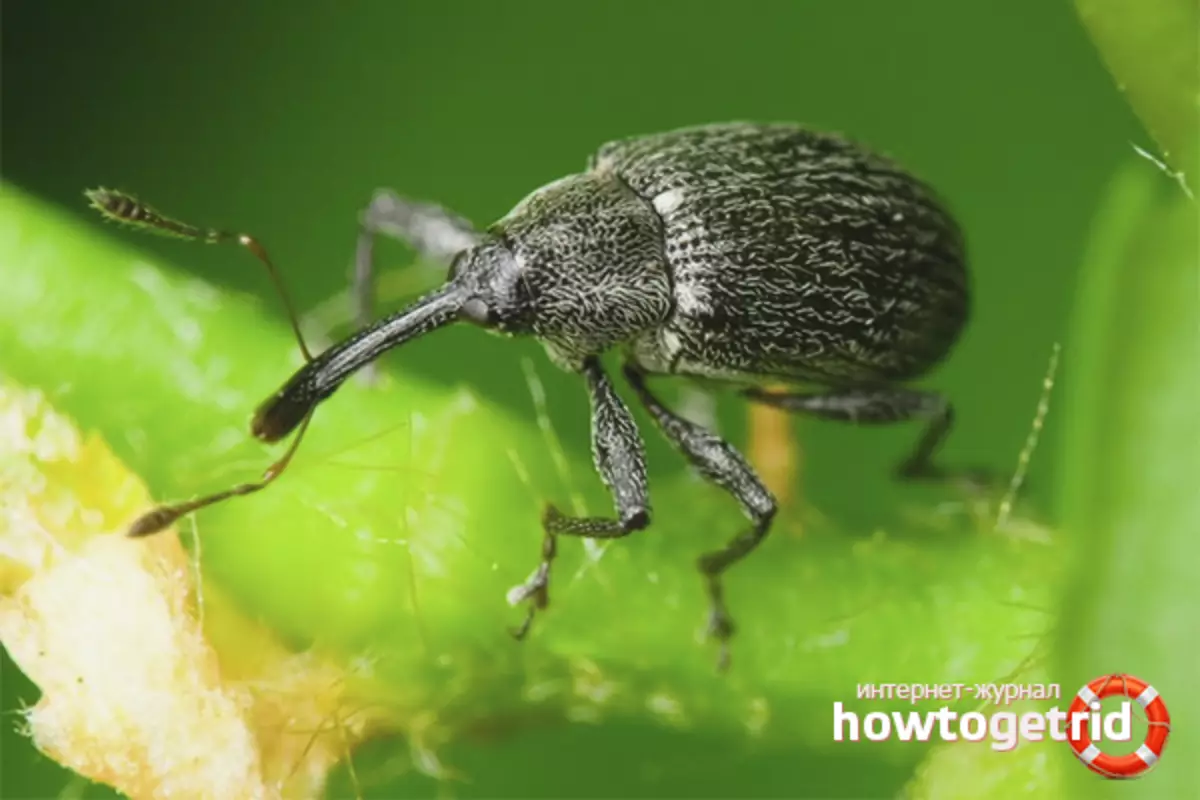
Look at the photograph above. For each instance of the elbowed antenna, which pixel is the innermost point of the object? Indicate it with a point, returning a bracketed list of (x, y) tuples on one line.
[(128, 210), (292, 406), (319, 378)]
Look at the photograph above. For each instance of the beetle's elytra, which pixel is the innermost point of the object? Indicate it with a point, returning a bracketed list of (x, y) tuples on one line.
[(742, 253)]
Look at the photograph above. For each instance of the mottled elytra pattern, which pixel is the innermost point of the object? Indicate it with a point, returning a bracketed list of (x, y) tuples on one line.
[(796, 255), (749, 254)]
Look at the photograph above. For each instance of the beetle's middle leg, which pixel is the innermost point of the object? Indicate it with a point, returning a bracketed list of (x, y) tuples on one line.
[(620, 459), (719, 462), (436, 233), (883, 406)]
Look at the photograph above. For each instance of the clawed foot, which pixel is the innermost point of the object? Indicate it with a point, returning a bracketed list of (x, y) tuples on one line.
[(720, 624), (974, 481), (536, 590), (721, 628)]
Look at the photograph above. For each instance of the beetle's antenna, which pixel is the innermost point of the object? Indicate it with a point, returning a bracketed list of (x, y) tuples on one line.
[(162, 517), (128, 210)]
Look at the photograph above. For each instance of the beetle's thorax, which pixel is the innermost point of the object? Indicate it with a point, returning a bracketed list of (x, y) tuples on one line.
[(589, 266)]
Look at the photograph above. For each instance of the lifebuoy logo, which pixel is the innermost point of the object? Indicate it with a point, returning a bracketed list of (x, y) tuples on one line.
[(1087, 705), (1082, 725)]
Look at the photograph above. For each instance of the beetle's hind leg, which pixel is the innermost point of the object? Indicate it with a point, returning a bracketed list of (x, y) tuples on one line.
[(881, 406), (720, 463), (436, 233), (620, 459)]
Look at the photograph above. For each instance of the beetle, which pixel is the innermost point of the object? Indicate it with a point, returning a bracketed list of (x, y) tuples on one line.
[(749, 254)]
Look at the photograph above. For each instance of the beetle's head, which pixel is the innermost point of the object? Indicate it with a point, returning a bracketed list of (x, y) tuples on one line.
[(495, 296)]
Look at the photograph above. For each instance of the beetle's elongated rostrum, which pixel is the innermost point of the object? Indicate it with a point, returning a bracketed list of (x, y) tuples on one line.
[(744, 253)]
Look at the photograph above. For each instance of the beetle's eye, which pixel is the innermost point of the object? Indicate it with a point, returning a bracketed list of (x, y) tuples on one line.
[(477, 311), (455, 264)]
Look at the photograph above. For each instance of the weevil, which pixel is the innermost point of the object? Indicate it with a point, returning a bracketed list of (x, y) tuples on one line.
[(748, 254)]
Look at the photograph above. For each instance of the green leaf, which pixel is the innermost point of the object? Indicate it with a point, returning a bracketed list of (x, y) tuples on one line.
[(413, 506), (1130, 498)]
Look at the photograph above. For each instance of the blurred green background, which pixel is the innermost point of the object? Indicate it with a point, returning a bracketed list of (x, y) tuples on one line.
[(282, 119)]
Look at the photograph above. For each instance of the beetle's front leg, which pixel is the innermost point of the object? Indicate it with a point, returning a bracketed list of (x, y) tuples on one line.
[(719, 462), (621, 461)]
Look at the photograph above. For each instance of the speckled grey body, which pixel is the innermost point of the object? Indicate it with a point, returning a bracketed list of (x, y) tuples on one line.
[(793, 255), (744, 252)]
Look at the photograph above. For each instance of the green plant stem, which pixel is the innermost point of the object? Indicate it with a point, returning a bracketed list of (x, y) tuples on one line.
[(1132, 461)]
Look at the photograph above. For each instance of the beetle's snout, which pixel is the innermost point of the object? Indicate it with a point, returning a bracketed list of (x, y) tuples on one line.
[(279, 416)]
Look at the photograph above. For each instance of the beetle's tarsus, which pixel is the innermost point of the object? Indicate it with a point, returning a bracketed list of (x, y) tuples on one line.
[(620, 459), (722, 464), (720, 625), (536, 590), (521, 631), (724, 656)]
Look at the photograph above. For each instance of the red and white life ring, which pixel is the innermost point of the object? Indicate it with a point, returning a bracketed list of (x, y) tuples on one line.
[(1132, 764)]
